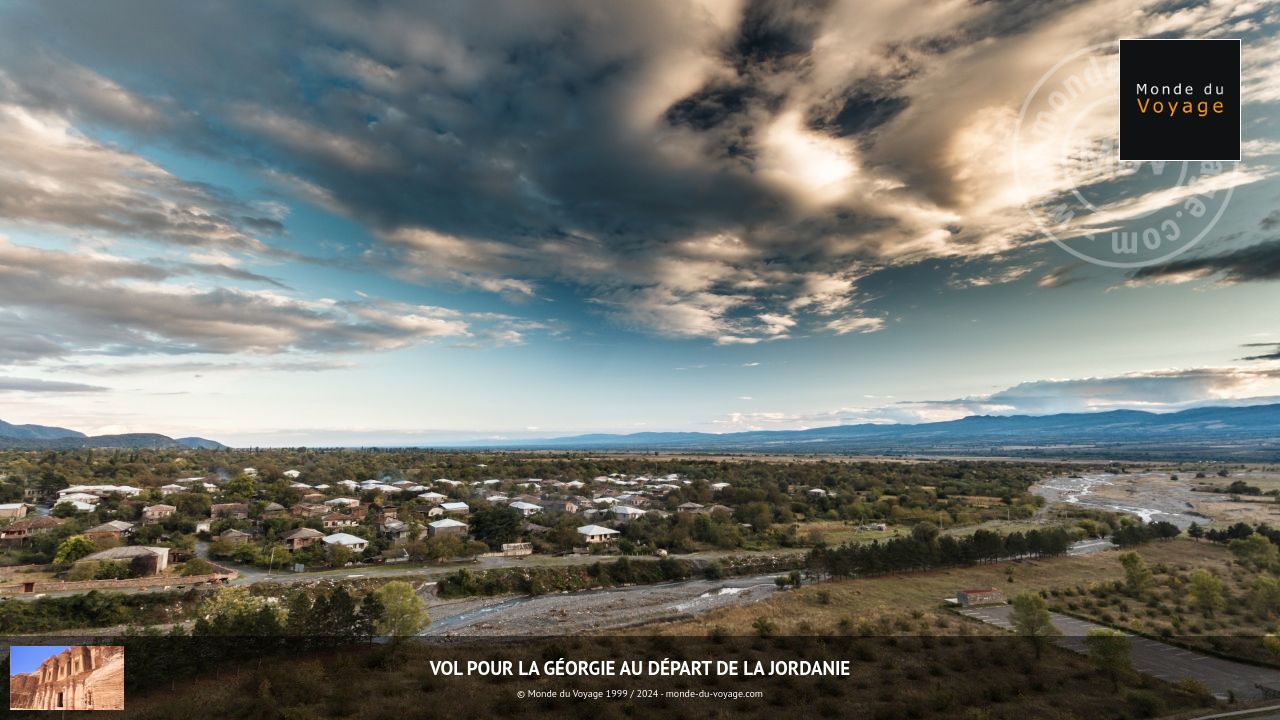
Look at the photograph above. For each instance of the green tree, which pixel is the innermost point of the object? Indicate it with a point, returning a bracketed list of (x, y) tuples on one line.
[(1255, 552), (1264, 599), (1031, 619), (403, 612), (1137, 576), (1206, 591), (1109, 653), (72, 549)]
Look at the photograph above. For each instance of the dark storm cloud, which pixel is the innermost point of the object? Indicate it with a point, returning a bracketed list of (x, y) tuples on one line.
[(1248, 264), (32, 385)]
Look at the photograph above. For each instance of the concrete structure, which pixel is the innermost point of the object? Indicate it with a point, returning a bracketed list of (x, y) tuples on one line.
[(229, 510), (152, 513), (980, 596), (20, 530), (78, 678), (116, 530), (526, 508), (147, 560), (234, 537), (13, 511), (357, 544), (302, 538), (447, 526), (594, 534)]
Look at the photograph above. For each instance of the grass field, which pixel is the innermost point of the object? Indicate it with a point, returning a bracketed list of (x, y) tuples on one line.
[(915, 600)]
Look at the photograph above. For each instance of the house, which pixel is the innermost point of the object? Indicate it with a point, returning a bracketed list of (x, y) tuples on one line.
[(596, 534), (447, 526), (171, 488), (229, 510), (817, 492), (147, 560), (308, 510), (433, 497), (274, 510), (234, 537), (561, 506), (301, 538), (292, 474), (689, 507), (20, 530), (980, 596), (82, 498), (455, 508), (100, 490), (626, 513), (114, 530), (13, 510), (525, 508), (342, 502), (337, 520), (356, 544), (152, 513), (717, 487), (394, 530)]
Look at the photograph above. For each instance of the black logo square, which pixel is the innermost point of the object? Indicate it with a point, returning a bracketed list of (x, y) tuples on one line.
[(1179, 99)]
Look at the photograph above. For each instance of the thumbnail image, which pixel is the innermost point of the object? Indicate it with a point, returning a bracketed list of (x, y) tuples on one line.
[(66, 677)]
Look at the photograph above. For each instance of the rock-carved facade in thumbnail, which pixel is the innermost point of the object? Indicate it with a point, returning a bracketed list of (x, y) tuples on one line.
[(89, 677)]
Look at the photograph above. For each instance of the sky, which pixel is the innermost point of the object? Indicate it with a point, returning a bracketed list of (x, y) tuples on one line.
[(326, 222), (26, 658)]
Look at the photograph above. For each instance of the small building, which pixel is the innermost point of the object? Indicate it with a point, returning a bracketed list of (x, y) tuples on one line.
[(13, 511), (116, 530), (525, 508), (146, 560), (152, 513), (232, 536), (308, 510), (229, 510), (302, 538), (455, 508), (274, 510), (20, 530), (561, 506), (596, 534), (337, 520), (689, 507), (447, 526), (626, 513), (980, 596), (171, 488), (356, 544)]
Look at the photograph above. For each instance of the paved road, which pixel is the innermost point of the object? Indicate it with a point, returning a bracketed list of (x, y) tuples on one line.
[(1089, 547), (1161, 660)]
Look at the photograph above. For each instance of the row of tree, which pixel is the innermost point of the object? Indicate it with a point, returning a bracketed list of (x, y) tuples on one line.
[(923, 550)]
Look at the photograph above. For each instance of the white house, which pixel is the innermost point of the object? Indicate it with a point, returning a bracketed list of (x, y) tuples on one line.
[(594, 534), (357, 544), (625, 513), (342, 502), (292, 474), (526, 508), (433, 497), (171, 488)]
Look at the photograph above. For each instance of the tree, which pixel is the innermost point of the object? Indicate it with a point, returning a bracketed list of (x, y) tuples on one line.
[(403, 612), (72, 549), (1255, 552), (925, 532), (1265, 597), (1109, 653), (1206, 591), (338, 554), (1031, 619), (495, 525), (1137, 576), (1195, 531)]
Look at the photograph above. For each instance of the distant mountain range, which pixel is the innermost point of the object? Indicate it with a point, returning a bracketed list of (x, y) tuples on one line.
[(1209, 433), (41, 437)]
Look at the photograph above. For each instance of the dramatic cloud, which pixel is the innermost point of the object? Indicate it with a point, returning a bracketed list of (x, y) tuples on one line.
[(719, 169), (97, 304)]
